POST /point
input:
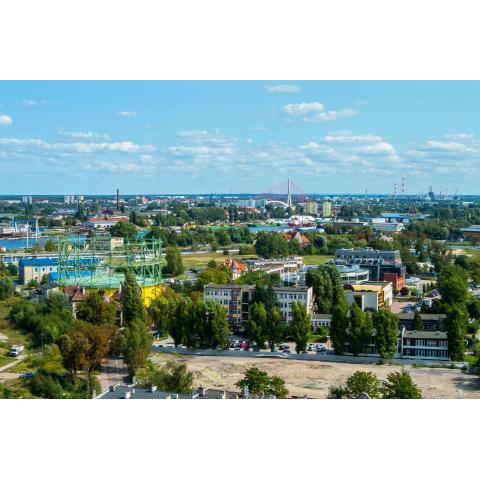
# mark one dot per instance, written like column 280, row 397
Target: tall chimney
column 118, row 199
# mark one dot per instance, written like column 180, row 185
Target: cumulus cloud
column 447, row 157
column 314, row 112
column 285, row 88
column 5, row 120
column 86, row 135
column 33, row 103
column 126, row 114
column 303, row 108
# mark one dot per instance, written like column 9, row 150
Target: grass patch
column 316, row 259
column 5, row 360
column 201, row 259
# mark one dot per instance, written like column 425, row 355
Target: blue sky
column 205, row 137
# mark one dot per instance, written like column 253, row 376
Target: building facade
column 424, row 345
column 35, row 268
column 236, row 300
column 370, row 296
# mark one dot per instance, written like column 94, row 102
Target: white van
column 16, row 350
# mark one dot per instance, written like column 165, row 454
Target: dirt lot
column 314, row 378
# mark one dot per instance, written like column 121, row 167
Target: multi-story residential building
column 311, row 208
column 236, row 300
column 326, row 209
column 370, row 296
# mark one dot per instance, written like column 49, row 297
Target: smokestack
column 118, row 199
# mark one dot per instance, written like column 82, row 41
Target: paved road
column 13, row 363
column 113, row 371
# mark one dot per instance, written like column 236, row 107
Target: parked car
column 27, row 375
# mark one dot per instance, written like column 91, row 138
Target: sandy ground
column 314, row 378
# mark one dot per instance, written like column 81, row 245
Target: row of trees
column 192, row 323
column 358, row 329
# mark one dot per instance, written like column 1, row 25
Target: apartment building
column 236, row 300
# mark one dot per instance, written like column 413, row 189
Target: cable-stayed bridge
column 282, row 193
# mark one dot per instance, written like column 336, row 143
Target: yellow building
column 371, row 296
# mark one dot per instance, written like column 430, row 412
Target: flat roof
column 425, row 334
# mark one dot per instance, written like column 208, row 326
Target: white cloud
column 5, row 120
column 445, row 146
column 460, row 136
column 314, row 112
column 348, row 137
column 82, row 135
column 303, row 108
column 76, row 147
column 194, row 133
column 331, row 115
column 126, row 114
column 285, row 88
column 33, row 103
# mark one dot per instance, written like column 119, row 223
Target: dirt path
column 314, row 378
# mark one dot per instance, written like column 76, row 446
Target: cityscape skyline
column 241, row 137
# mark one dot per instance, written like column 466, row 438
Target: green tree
column 274, row 326
column 360, row 330
column 417, row 322
column 259, row 383
column 95, row 309
column 339, row 328
column 474, row 269
column 171, row 377
column 453, row 284
column 400, row 385
column 301, row 326
column 457, row 319
column 160, row 313
column 136, row 345
column 7, row 290
column 219, row 325
column 358, row 384
column 386, row 326
column 50, row 246
column 132, row 303
column 269, row 245
column 257, row 325
column 174, row 262
column 124, row 229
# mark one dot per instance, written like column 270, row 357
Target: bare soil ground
column 314, row 378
